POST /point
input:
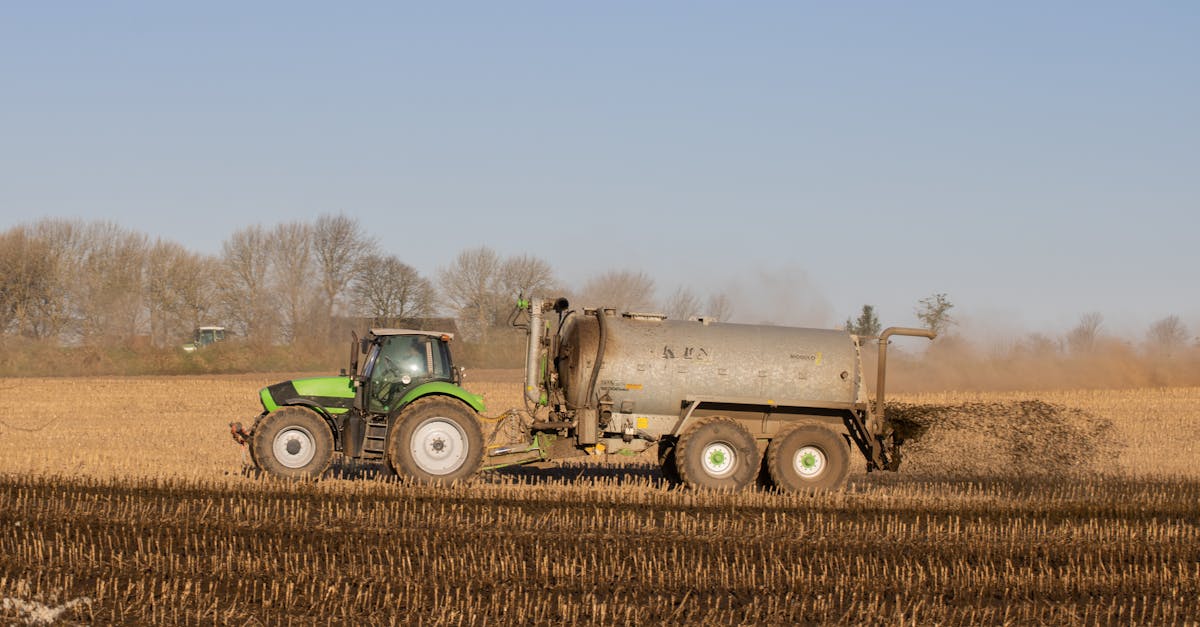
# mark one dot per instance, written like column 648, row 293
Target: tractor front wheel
column 292, row 443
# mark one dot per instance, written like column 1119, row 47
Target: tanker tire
column 717, row 453
column 435, row 440
column 764, row 480
column 292, row 443
column 667, row 463
column 809, row 458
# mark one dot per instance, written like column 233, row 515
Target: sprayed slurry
column 1021, row 437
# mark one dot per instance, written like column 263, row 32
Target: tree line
column 1167, row 336
column 78, row 283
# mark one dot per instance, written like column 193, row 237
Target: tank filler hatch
column 635, row 315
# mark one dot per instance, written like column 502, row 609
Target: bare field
column 153, row 427
column 122, row 501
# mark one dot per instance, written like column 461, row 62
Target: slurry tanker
column 723, row 404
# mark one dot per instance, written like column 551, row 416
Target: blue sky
column 1034, row 161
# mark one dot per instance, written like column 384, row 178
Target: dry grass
column 122, row 501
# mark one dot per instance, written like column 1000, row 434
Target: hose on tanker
column 511, row 422
column 603, row 323
column 495, row 419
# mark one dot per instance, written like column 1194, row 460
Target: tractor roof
column 383, row 332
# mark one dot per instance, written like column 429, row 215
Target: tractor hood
column 334, row 394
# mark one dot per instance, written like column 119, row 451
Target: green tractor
column 406, row 406
column 204, row 336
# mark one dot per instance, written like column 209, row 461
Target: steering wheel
column 391, row 371
column 385, row 389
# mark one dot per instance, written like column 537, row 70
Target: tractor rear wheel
column 435, row 440
column 292, row 443
column 717, row 454
column 809, row 458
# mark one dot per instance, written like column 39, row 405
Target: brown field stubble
column 122, row 501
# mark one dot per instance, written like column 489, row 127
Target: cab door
column 400, row 363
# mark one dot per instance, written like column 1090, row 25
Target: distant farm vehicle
column 204, row 336
column 725, row 404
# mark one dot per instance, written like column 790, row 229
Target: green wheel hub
column 719, row 459
column 809, row 461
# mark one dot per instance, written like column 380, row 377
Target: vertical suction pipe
column 534, row 352
column 883, row 342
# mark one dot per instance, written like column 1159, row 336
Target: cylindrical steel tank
column 651, row 364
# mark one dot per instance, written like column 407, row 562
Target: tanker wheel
column 809, row 458
column 667, row 463
column 764, row 480
column 436, row 440
column 292, row 443
column 717, row 454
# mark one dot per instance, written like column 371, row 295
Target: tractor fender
column 442, row 388
column 329, row 421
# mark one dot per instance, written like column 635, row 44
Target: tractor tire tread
column 265, row 429
column 403, row 466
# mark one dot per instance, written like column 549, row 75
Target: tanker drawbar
column 723, row 402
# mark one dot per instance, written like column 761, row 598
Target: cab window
column 441, row 360
column 400, row 363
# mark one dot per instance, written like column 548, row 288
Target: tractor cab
column 397, row 361
column 204, row 336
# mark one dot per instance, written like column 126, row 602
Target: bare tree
column 26, row 278
column 623, row 290
column 720, row 307
column 934, row 313
column 682, row 304
column 339, row 242
column 1039, row 345
column 56, row 315
column 1167, row 335
column 1082, row 338
column 111, row 307
column 181, row 291
column 246, row 293
column 527, row 275
column 293, row 270
column 388, row 290
column 471, row 286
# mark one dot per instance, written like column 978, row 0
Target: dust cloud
column 779, row 295
column 954, row 364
